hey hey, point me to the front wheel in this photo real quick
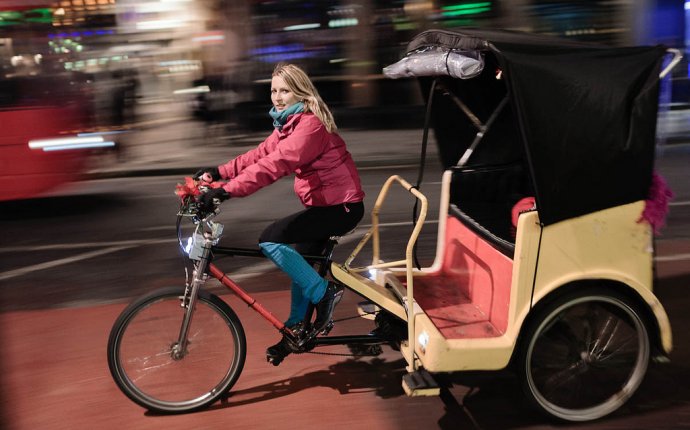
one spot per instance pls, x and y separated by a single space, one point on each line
585 355
148 366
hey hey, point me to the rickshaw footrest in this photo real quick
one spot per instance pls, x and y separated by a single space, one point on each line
420 383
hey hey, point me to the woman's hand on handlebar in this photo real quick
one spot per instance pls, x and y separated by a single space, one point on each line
208 174
212 198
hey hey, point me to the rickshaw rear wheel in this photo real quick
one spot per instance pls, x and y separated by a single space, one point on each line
584 355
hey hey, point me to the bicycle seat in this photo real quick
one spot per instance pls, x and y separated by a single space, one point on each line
337 238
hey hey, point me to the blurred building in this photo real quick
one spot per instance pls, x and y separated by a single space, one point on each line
222 51
345 44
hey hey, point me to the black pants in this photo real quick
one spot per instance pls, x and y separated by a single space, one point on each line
310 229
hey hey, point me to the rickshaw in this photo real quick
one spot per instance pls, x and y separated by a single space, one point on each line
544 255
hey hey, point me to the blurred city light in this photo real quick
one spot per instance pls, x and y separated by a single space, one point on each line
66 143
132 62
309 26
466 9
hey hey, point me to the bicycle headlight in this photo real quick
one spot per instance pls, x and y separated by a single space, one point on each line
188 247
196 246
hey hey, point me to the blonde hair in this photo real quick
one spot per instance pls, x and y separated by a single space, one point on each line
299 83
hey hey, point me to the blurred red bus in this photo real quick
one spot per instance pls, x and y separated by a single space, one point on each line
41 149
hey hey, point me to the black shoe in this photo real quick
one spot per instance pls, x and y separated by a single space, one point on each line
275 354
324 309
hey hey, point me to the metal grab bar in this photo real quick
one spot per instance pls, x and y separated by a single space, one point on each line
677 55
373 233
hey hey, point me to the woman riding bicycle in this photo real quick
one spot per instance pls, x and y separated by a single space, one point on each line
303 142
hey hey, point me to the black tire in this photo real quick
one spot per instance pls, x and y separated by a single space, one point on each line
584 355
140 352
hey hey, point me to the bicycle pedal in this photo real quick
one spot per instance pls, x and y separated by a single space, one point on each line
274 360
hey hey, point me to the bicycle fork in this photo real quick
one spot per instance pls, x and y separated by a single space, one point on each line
188 302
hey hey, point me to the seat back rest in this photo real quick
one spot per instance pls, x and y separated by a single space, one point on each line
482 199
504 246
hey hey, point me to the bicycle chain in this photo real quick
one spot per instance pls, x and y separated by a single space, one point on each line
356 316
340 354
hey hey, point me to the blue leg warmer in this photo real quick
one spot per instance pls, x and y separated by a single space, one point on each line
311 285
298 305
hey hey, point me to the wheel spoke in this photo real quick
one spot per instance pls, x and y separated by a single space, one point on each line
587 357
616 344
142 344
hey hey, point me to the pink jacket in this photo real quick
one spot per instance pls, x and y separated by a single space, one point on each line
325 174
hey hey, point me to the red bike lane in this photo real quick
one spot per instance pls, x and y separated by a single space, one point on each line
55 376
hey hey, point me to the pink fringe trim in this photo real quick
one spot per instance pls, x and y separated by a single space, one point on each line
656 205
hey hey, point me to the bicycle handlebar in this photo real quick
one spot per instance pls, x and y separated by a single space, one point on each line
189 204
191 208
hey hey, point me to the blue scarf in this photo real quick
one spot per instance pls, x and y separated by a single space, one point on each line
280 118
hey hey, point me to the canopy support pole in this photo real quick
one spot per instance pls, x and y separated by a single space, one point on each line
480 134
463 107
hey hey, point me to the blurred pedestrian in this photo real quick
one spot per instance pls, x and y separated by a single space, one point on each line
304 141
125 85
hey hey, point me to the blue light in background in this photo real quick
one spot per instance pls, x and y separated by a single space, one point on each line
277 49
86 33
687 30
289 52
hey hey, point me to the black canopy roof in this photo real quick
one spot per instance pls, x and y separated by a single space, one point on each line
582 115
